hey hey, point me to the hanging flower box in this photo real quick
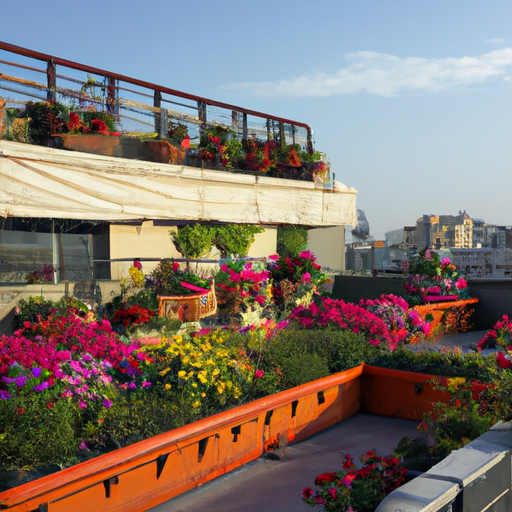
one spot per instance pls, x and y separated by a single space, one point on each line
188 308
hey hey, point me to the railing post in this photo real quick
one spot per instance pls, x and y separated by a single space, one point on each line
310 142
50 74
112 104
160 121
245 131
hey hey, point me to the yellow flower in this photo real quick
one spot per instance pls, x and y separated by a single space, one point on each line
194 384
202 378
186 360
196 404
181 374
215 372
167 387
210 362
220 389
203 394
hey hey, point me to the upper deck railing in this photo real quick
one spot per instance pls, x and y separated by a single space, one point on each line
42 104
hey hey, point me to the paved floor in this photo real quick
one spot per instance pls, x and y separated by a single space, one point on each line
276 485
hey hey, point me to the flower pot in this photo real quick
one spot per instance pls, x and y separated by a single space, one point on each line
188 308
162 152
106 145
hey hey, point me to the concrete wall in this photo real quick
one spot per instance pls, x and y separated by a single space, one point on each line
328 245
472 479
494 295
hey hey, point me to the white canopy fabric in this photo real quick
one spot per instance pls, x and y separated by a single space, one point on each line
52 183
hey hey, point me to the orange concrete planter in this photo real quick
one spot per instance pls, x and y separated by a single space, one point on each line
150 472
437 311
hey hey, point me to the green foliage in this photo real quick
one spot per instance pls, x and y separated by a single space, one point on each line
136 416
167 277
43 117
235 239
295 357
50 424
33 308
195 240
291 240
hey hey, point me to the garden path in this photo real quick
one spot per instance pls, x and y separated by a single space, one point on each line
276 485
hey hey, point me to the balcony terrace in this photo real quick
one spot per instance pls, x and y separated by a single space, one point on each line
145 151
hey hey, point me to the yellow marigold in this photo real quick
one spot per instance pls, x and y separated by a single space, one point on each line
202 378
220 389
203 394
194 384
215 372
167 387
210 362
196 404
181 374
186 360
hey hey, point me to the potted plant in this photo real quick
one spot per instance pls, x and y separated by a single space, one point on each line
181 293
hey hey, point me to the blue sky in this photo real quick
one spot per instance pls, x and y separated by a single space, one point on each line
410 99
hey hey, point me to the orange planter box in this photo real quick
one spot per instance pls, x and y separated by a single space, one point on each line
438 310
150 472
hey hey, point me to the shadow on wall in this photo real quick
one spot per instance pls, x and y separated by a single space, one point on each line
494 295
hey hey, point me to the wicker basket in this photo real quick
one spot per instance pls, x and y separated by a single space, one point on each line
188 308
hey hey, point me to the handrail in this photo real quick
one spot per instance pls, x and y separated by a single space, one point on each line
52 60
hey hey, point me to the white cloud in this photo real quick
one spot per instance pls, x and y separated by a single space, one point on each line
387 75
495 40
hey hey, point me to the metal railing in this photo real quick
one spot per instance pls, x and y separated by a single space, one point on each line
140 107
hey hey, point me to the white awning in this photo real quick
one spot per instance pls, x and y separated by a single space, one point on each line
51 183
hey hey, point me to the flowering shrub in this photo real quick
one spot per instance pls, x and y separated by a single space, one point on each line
327 312
168 278
41 276
295 279
430 275
404 325
201 374
132 315
357 490
500 337
248 281
472 409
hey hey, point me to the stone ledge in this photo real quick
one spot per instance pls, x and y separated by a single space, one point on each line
475 478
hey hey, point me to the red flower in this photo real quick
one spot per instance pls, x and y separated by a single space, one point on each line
307 493
325 478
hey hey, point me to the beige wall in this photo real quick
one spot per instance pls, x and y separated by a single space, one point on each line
144 241
328 245
154 242
264 244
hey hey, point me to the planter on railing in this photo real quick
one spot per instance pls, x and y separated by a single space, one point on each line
447 316
150 472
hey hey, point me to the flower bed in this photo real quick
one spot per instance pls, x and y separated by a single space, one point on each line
143 475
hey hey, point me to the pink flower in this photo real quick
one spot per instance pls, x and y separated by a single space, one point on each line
260 300
461 283
306 278
258 374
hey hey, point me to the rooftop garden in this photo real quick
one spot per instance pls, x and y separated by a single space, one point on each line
77 103
76 383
